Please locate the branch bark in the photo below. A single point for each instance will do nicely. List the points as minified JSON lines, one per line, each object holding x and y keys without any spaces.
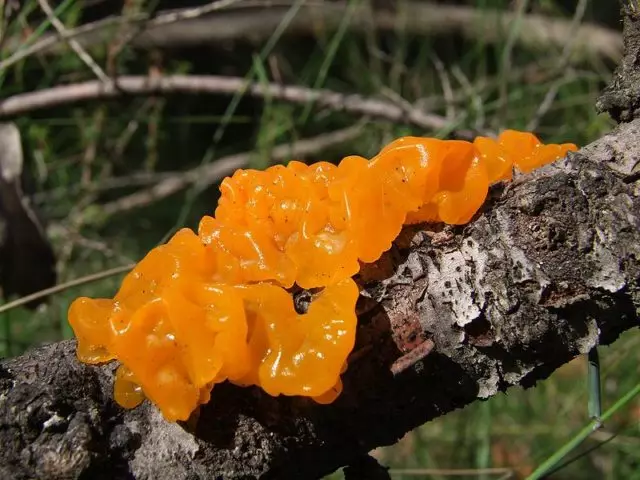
{"x":548,"y":270}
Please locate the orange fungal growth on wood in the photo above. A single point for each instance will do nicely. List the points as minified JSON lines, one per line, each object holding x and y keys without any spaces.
{"x":216,"y":306}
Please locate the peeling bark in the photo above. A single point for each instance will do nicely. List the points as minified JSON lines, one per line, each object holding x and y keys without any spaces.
{"x":547,"y":270}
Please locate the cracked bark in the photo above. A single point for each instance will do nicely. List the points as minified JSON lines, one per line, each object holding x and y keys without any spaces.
{"x":546,"y":271}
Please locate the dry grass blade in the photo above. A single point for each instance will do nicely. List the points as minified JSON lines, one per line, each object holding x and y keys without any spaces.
{"x":567,"y":51}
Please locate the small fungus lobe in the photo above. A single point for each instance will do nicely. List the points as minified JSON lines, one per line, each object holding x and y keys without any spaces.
{"x":216,"y":306}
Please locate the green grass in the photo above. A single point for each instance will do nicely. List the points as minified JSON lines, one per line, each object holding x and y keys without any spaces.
{"x":522,"y":428}
{"x":74,"y":154}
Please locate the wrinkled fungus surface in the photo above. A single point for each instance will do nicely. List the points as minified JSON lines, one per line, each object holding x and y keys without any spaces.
{"x":215,"y":306}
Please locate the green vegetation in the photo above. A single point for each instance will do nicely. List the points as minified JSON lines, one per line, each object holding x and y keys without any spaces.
{"x":82,"y":156}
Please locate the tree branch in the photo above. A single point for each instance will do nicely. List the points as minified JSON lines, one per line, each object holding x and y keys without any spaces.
{"x":547,"y":270}
{"x":212,"y":84}
{"x":256,"y":21}
{"x":211,"y":173}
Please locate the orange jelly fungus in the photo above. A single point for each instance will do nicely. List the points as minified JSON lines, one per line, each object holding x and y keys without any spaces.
{"x":215,"y":306}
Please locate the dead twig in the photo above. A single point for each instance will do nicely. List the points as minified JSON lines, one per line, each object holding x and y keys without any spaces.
{"x":560,"y":66}
{"x":446,"y":87}
{"x":212,"y":84}
{"x":100,"y":26}
{"x":177,"y":15}
{"x":256,"y":20}
{"x":73,"y":44}
{"x":211,"y":173}
{"x":61,"y":287}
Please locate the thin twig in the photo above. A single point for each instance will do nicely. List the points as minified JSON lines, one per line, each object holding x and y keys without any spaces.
{"x":67,"y":234}
{"x":193,"y":84}
{"x":65,"y":286}
{"x":137,"y":179}
{"x":472,"y":93}
{"x":578,"y":16}
{"x":163,"y":18}
{"x":121,"y":142}
{"x":75,"y":46}
{"x":211,"y":173}
{"x":190,"y":13}
{"x":189,"y":27}
{"x":561,"y":64}
{"x":446,"y":87}
{"x":547,"y":103}
{"x":506,"y":60}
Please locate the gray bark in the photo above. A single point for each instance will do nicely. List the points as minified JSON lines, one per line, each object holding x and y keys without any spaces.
{"x":547,"y":270}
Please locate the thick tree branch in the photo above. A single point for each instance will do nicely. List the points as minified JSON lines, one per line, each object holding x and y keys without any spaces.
{"x":547,"y":270}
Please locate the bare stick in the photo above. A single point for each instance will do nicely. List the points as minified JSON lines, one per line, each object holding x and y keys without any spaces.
{"x":247,"y":21}
{"x":65,"y":286}
{"x":194,"y":84}
{"x":170,"y":16}
{"x":75,"y":46}
{"x":559,"y":67}
{"x":189,"y":13}
{"x":215,"y":171}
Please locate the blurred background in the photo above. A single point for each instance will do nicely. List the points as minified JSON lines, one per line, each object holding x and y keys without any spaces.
{"x":106,"y":179}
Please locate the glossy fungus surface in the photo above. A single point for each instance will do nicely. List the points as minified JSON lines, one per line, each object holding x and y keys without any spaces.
{"x":216,"y":305}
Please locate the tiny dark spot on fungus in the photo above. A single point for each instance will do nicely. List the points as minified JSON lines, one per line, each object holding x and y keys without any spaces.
{"x":301,"y":301}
